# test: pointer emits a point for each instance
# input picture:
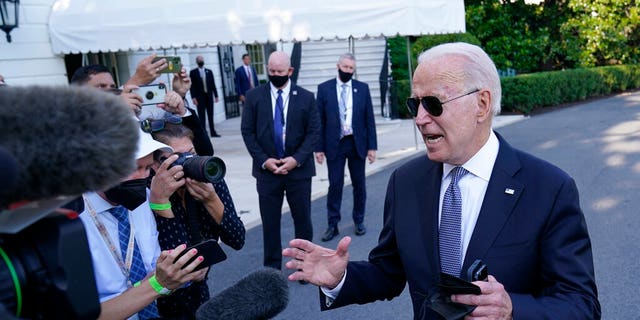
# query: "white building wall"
(28, 59)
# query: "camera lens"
(161, 86)
(214, 169)
(204, 169)
(149, 95)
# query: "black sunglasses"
(431, 104)
(155, 125)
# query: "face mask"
(278, 81)
(200, 64)
(130, 194)
(344, 76)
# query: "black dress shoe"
(215, 135)
(330, 234)
(360, 229)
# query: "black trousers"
(205, 107)
(346, 154)
(271, 194)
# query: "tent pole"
(410, 71)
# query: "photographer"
(198, 211)
(130, 271)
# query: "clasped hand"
(281, 166)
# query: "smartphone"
(174, 64)
(209, 249)
(152, 94)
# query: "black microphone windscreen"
(8, 168)
(260, 295)
(67, 140)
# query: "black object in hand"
(209, 249)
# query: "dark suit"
(353, 147)
(534, 240)
(242, 81)
(201, 142)
(301, 136)
(205, 99)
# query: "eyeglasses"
(155, 125)
(431, 104)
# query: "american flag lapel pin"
(509, 191)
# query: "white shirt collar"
(478, 163)
(97, 202)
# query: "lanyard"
(125, 266)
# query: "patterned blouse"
(191, 229)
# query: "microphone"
(8, 168)
(260, 295)
(66, 141)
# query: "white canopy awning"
(80, 26)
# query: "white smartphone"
(152, 95)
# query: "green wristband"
(157, 286)
(160, 206)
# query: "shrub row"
(527, 92)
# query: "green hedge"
(527, 92)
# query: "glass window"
(257, 57)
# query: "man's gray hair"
(479, 67)
(347, 56)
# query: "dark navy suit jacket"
(242, 81)
(301, 126)
(534, 240)
(363, 122)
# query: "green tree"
(602, 32)
(512, 33)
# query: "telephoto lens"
(201, 168)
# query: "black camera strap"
(192, 215)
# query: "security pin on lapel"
(509, 191)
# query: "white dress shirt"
(285, 104)
(473, 187)
(109, 278)
(348, 103)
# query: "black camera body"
(46, 271)
(201, 168)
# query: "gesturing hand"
(315, 264)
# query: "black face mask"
(278, 81)
(200, 64)
(344, 76)
(130, 194)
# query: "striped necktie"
(450, 226)
(137, 271)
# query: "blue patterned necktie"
(278, 122)
(450, 226)
(137, 271)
